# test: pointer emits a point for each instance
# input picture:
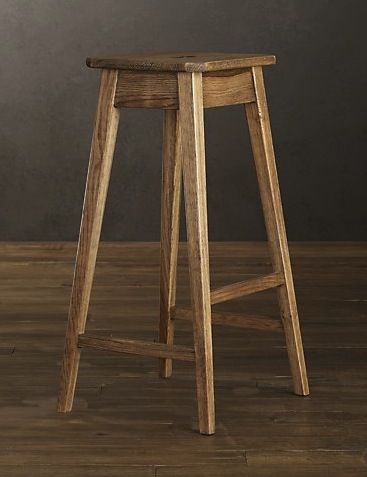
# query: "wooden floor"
(128, 422)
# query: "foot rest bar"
(143, 348)
(247, 287)
(230, 319)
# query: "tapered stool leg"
(170, 214)
(193, 154)
(261, 140)
(100, 162)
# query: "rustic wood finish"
(155, 350)
(127, 422)
(103, 144)
(247, 287)
(194, 178)
(223, 88)
(183, 85)
(151, 89)
(170, 214)
(233, 319)
(262, 146)
(189, 62)
(146, 89)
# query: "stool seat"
(189, 62)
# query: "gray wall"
(317, 95)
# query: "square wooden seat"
(189, 62)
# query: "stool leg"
(170, 216)
(262, 146)
(193, 154)
(100, 162)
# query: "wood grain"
(181, 61)
(152, 89)
(246, 287)
(170, 215)
(143, 348)
(262, 146)
(228, 87)
(103, 144)
(233, 319)
(145, 89)
(194, 178)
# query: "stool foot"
(193, 154)
(170, 215)
(100, 162)
(262, 146)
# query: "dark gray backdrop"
(317, 96)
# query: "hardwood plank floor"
(128, 422)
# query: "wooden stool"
(182, 84)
